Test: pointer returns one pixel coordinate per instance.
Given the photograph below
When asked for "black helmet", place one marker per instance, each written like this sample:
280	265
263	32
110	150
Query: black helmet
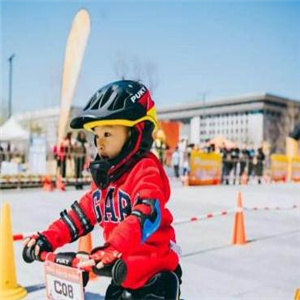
126	103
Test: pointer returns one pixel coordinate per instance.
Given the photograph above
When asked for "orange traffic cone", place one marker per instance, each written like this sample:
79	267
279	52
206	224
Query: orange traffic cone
85	245
239	234
9	288
59	183
47	184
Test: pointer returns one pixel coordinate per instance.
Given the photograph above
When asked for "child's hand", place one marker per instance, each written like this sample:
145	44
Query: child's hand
105	256
100	257
85	260
39	242
30	242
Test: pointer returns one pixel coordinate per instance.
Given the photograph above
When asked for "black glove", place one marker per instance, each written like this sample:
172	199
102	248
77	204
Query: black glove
29	252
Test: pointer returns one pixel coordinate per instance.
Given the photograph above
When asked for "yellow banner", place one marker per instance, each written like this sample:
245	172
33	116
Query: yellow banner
205	168
296	169
279	167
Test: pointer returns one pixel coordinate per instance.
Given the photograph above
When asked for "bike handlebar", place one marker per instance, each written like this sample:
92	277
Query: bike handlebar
117	271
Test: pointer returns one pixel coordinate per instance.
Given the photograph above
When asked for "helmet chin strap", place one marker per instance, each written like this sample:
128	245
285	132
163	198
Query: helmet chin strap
99	169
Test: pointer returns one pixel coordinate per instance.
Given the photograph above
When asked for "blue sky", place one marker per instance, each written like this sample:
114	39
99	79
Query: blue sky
222	49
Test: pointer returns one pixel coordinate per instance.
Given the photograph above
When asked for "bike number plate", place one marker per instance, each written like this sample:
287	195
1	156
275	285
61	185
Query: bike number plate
62	282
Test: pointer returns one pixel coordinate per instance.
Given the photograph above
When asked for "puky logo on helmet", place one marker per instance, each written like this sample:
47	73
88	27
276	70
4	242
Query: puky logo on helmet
138	95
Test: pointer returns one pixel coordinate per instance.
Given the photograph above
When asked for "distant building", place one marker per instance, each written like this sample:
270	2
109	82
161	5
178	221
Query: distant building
248	120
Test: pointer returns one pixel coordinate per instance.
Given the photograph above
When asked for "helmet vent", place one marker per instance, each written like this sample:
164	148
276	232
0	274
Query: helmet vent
95	104
116	102
107	97
88	105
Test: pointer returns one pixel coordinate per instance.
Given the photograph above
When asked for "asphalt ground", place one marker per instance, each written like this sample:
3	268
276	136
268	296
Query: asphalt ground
266	267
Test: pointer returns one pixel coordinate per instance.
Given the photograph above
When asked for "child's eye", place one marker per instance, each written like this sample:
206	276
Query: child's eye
107	134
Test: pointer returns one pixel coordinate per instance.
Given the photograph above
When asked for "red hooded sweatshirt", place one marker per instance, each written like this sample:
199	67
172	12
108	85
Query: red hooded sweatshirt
146	250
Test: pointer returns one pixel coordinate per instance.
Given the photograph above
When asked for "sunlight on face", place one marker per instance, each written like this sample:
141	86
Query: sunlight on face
110	140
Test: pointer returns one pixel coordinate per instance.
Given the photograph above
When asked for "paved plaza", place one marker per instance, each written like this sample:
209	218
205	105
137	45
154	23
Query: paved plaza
266	267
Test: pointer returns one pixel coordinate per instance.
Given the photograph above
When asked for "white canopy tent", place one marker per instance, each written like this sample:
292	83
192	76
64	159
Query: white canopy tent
12	134
11	130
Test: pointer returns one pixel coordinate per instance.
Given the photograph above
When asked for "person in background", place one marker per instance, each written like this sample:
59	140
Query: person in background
250	158
234	155
175	162
80	151
260	157
57	158
186	162
9	151
226	164
64	153
243	162
2	155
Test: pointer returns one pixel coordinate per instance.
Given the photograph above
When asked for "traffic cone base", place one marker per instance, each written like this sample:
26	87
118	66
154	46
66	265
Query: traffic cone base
9	289
239	233
16	293
48	187
297	294
47	184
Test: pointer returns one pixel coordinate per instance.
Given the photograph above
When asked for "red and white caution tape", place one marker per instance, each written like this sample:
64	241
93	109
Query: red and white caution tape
203	217
271	207
226	212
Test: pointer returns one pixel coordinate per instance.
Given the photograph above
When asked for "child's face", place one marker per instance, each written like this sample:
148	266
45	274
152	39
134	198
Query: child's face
110	140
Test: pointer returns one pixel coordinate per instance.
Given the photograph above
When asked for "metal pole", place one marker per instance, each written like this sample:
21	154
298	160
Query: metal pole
10	85
204	116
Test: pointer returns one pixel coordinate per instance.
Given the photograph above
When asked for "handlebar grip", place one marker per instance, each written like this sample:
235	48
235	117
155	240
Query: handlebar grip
117	271
28	254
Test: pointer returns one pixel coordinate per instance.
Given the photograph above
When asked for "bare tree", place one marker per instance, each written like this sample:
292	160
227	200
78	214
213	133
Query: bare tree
151	76
291	117
121	66
134	68
274	133
278	127
137	69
